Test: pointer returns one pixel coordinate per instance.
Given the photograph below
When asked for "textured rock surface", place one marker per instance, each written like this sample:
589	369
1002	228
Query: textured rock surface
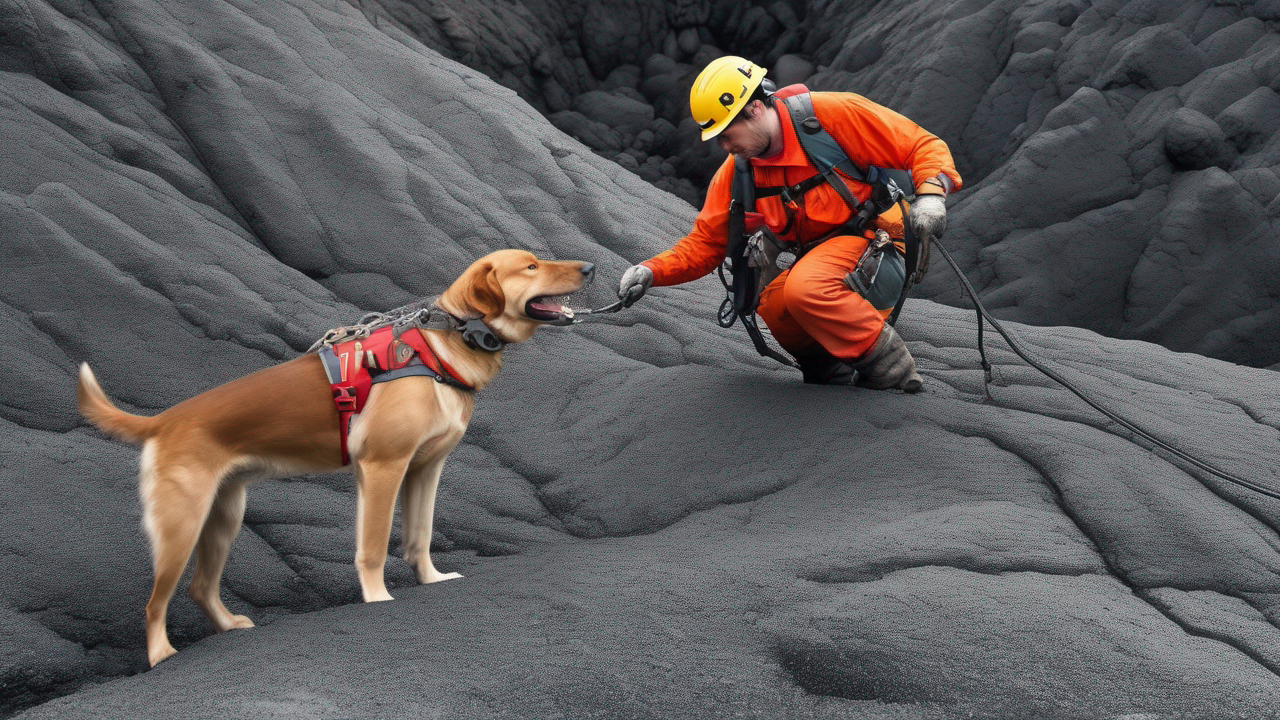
653	521
1081	129
1120	156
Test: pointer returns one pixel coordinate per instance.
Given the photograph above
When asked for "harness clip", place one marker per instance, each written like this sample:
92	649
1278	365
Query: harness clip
345	398
478	335
727	314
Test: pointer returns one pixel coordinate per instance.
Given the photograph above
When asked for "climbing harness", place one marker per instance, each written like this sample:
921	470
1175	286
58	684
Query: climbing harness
379	348
1131	427
889	186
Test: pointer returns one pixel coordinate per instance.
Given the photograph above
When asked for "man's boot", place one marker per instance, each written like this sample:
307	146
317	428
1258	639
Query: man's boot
822	368
888	364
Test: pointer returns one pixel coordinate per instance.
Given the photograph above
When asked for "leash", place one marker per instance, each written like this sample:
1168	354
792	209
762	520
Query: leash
986	367
580	315
425	314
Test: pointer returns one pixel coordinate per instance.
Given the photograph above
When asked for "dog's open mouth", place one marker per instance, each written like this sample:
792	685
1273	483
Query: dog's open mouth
549	308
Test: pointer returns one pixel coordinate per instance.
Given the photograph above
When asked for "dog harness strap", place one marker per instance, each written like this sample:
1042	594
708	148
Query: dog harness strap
447	374
348	366
345	398
350	382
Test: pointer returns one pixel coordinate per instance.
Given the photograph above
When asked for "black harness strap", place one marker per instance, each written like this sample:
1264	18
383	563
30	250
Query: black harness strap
801	108
742	300
913	259
743	201
792	193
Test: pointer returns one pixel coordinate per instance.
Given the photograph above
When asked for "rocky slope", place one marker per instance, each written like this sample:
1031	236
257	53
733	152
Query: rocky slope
653	521
1120	156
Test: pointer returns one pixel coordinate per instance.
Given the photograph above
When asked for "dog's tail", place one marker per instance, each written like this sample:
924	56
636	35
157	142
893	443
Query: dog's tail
99	410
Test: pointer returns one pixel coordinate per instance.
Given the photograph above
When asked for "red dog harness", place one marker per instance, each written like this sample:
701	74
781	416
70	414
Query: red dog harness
355	366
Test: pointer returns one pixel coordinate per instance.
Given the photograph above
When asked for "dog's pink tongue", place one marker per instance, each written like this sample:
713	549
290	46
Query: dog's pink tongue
549	306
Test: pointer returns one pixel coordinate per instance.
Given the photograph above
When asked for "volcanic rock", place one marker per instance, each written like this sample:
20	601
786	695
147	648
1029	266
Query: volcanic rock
1196	142
652	520
624	114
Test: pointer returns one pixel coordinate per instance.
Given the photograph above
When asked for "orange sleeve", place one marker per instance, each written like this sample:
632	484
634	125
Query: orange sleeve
699	252
872	134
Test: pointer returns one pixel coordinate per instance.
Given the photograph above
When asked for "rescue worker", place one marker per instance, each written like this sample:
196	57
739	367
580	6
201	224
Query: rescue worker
812	311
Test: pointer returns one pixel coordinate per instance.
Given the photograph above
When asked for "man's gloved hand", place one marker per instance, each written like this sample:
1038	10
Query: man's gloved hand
928	216
635	281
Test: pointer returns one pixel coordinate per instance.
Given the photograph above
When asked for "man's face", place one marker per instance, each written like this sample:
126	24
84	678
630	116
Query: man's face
748	134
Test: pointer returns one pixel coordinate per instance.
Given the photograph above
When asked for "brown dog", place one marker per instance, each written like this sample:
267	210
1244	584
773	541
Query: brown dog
198	455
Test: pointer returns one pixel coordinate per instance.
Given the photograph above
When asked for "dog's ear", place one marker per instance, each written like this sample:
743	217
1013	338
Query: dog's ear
485	292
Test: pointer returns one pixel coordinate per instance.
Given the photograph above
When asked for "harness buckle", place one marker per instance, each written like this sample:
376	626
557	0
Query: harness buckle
345	398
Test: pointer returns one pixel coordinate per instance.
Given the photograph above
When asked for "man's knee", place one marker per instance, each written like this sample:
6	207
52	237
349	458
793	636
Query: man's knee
810	297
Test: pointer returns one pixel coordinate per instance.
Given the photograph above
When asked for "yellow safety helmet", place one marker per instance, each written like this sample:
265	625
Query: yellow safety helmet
722	89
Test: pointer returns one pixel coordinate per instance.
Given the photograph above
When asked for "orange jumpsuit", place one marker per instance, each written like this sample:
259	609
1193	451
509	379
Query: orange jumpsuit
810	302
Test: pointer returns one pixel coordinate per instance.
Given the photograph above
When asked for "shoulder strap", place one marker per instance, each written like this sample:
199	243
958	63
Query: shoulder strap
827	154
823	150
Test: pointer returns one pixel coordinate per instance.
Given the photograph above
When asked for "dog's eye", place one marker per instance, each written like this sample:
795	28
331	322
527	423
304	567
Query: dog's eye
533	267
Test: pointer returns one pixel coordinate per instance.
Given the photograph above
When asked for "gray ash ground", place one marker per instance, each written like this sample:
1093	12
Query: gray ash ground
653	521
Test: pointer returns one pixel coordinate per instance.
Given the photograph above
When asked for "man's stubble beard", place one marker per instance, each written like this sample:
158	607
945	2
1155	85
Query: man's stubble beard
756	142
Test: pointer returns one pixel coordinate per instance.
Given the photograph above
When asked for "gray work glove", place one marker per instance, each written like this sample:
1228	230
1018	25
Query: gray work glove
635	281
928	216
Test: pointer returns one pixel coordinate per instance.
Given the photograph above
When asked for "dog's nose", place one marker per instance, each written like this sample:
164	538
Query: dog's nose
588	269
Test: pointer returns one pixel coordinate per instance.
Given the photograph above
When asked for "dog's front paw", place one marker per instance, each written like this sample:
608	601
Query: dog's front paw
438	576
161	654
240	621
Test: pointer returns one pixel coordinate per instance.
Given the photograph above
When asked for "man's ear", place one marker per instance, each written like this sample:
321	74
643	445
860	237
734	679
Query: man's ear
485	292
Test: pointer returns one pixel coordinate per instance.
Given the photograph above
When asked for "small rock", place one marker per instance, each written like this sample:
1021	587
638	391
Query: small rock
651	169
858	53
784	14
622	76
627	161
1231	42
665	141
631	94
1252	119
790	69
671	45
689	42
594	135
659	86
758	31
644	140
1154	58
555	96
1038	36
659	64
1195	142
621	113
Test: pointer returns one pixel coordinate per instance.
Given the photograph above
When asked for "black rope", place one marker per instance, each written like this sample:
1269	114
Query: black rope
982	313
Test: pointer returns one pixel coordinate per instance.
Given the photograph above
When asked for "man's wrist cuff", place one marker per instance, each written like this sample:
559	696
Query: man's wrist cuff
939	184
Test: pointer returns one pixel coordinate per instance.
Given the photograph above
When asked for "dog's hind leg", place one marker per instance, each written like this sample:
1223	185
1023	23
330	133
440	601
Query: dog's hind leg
175	501
220	529
417	512
378	483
